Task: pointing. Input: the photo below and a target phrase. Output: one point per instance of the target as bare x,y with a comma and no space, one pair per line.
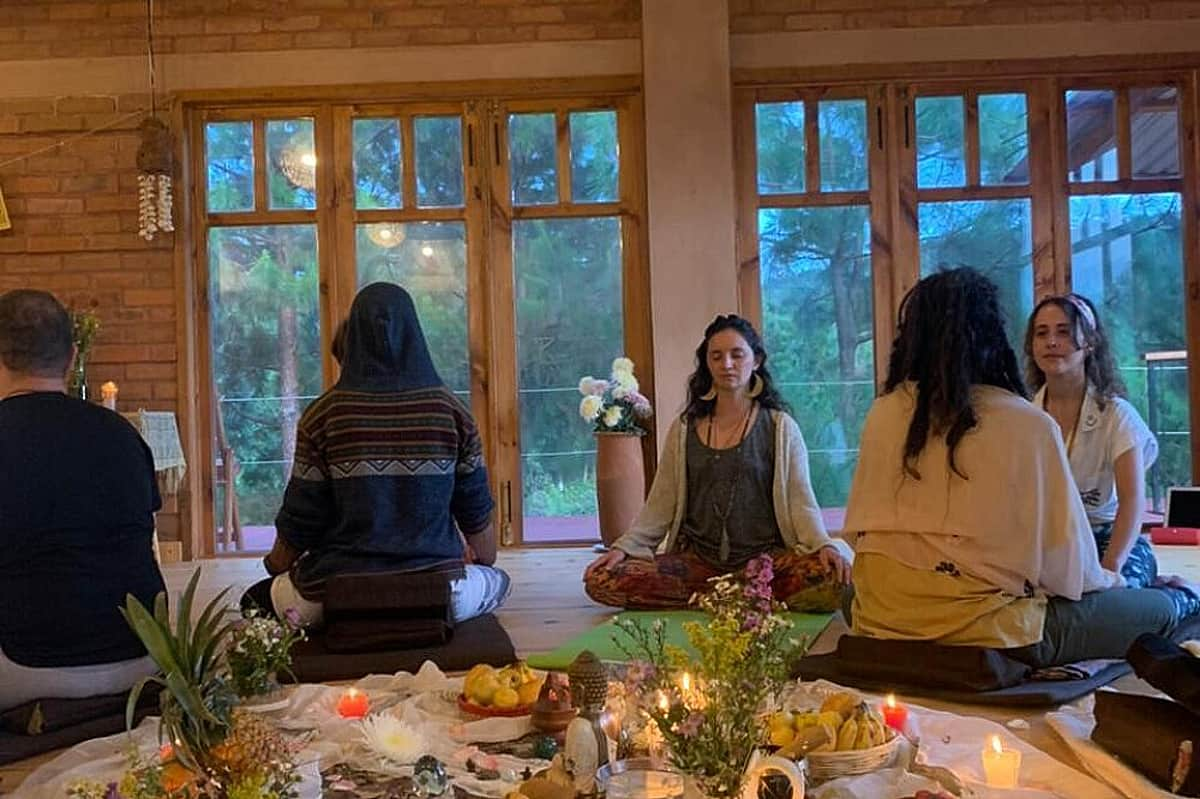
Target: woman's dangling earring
756,386
710,395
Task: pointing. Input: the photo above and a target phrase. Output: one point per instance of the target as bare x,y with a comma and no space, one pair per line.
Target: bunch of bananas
844,723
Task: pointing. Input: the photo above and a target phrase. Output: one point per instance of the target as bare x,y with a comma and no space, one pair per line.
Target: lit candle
664,704
895,715
108,395
353,704
1001,766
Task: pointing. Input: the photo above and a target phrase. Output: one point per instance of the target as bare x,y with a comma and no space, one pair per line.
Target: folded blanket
381,611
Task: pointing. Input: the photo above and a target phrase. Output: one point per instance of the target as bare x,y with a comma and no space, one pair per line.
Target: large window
848,195
514,225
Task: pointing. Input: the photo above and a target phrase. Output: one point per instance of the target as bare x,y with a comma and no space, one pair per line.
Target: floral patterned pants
669,581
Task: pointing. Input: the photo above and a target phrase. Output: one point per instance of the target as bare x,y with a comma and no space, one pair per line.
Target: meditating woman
963,513
732,484
388,470
1069,363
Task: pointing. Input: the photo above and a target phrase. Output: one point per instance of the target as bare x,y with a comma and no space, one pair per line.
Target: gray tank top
730,497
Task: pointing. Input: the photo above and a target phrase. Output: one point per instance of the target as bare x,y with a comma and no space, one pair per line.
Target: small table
161,434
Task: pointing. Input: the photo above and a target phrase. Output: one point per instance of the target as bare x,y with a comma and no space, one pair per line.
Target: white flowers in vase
615,405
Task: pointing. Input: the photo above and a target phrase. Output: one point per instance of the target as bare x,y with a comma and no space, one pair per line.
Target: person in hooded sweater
388,474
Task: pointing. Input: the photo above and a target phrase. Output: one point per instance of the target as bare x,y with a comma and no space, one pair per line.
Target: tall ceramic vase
620,482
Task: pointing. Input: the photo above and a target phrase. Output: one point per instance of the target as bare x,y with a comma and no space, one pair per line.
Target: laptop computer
1182,522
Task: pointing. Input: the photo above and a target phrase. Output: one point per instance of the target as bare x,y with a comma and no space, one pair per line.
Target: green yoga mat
600,639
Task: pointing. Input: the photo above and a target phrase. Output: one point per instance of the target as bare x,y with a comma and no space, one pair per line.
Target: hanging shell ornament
154,179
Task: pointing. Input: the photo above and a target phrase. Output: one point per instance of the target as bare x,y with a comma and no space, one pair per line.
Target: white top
1102,436
1017,522
656,528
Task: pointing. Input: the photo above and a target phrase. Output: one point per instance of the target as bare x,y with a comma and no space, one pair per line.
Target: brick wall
74,208
763,16
49,29
74,215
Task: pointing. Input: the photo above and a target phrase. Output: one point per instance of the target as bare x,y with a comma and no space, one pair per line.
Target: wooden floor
548,606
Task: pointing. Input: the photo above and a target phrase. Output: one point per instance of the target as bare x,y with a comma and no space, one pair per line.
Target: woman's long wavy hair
701,380
1098,364
951,337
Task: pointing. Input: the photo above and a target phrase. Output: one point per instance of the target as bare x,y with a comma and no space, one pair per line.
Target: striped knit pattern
421,432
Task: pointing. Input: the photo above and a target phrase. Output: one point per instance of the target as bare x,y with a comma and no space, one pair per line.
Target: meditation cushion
44,725
972,675
375,612
928,664
478,640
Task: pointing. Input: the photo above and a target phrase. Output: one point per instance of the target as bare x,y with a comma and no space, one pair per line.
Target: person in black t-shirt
77,503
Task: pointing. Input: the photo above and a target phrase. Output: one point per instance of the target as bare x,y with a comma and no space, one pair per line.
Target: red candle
894,715
353,704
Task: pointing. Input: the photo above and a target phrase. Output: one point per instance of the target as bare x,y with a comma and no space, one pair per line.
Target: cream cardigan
796,511
1017,523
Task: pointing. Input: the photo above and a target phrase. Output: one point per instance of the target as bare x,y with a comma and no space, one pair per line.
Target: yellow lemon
484,690
782,735
506,698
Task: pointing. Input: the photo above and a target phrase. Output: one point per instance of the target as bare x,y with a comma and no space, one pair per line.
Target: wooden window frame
485,213
894,218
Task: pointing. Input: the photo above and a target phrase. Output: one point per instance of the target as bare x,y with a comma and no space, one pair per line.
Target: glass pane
266,361
993,236
1003,140
429,259
779,131
439,161
1091,135
378,165
569,324
533,160
843,136
595,157
1155,132
817,322
940,137
229,161
292,178
1127,257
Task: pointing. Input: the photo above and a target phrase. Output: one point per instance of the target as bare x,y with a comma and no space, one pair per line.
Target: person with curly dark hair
732,484
963,513
1069,363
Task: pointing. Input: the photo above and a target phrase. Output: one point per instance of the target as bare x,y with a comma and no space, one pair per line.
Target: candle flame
685,682
996,747
663,704
891,701
352,692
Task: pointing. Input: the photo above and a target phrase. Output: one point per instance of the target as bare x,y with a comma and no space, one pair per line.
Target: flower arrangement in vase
84,327
260,647
707,712
615,405
210,749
